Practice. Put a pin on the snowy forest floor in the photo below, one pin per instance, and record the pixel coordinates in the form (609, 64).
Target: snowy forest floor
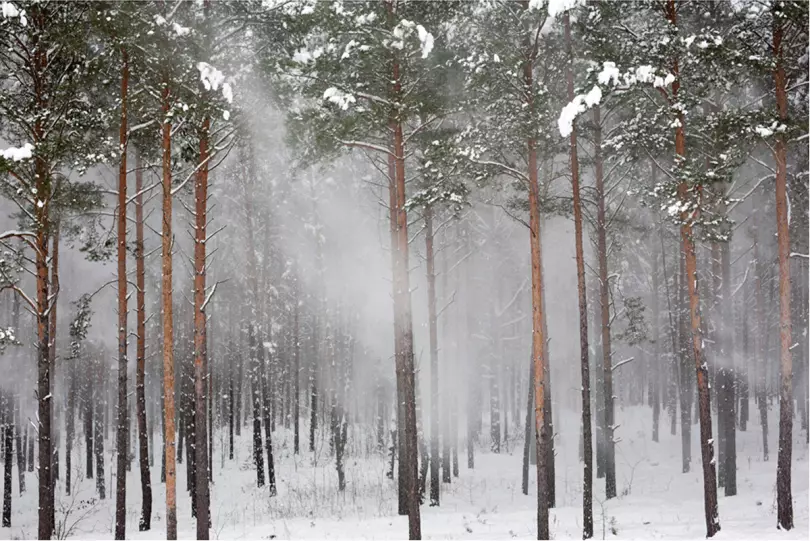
(655, 499)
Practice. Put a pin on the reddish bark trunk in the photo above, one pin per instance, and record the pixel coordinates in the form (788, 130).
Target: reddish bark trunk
(538, 334)
(784, 499)
(587, 444)
(168, 328)
(121, 434)
(706, 440)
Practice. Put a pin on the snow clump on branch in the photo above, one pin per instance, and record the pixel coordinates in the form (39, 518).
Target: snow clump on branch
(18, 154)
(212, 79)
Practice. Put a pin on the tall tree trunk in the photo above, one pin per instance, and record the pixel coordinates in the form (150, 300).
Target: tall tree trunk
(52, 347)
(761, 347)
(403, 326)
(18, 429)
(657, 360)
(684, 367)
(706, 440)
(89, 410)
(784, 498)
(529, 431)
(200, 349)
(604, 301)
(434, 359)
(449, 394)
(45, 524)
(267, 417)
(121, 434)
(726, 326)
(145, 521)
(168, 326)
(538, 331)
(98, 428)
(254, 342)
(587, 445)
(6, 420)
(296, 375)
(403, 302)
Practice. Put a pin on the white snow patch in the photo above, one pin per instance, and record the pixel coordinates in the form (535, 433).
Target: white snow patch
(338, 97)
(556, 7)
(18, 154)
(610, 73)
(426, 39)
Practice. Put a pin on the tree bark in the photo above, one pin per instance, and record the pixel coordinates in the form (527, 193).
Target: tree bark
(587, 445)
(706, 440)
(538, 334)
(121, 434)
(761, 347)
(254, 344)
(145, 521)
(434, 359)
(6, 419)
(98, 428)
(784, 498)
(296, 375)
(168, 327)
(200, 345)
(403, 303)
(604, 301)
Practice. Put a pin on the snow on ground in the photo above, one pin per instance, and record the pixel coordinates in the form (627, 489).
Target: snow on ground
(656, 500)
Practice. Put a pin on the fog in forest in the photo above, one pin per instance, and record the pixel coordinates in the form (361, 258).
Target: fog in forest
(440, 269)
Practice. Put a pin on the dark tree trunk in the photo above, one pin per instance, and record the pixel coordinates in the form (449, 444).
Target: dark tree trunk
(604, 301)
(587, 445)
(201, 450)
(98, 428)
(70, 426)
(434, 360)
(529, 432)
(21, 466)
(121, 434)
(145, 521)
(6, 418)
(761, 349)
(296, 373)
(684, 379)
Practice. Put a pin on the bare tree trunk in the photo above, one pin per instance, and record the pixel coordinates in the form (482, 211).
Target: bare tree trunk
(296, 375)
(761, 347)
(168, 326)
(538, 331)
(45, 525)
(784, 498)
(121, 434)
(98, 428)
(655, 380)
(604, 300)
(253, 340)
(403, 303)
(145, 521)
(706, 440)
(21, 466)
(200, 346)
(7, 422)
(434, 359)
(89, 410)
(527, 442)
(587, 445)
(726, 326)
